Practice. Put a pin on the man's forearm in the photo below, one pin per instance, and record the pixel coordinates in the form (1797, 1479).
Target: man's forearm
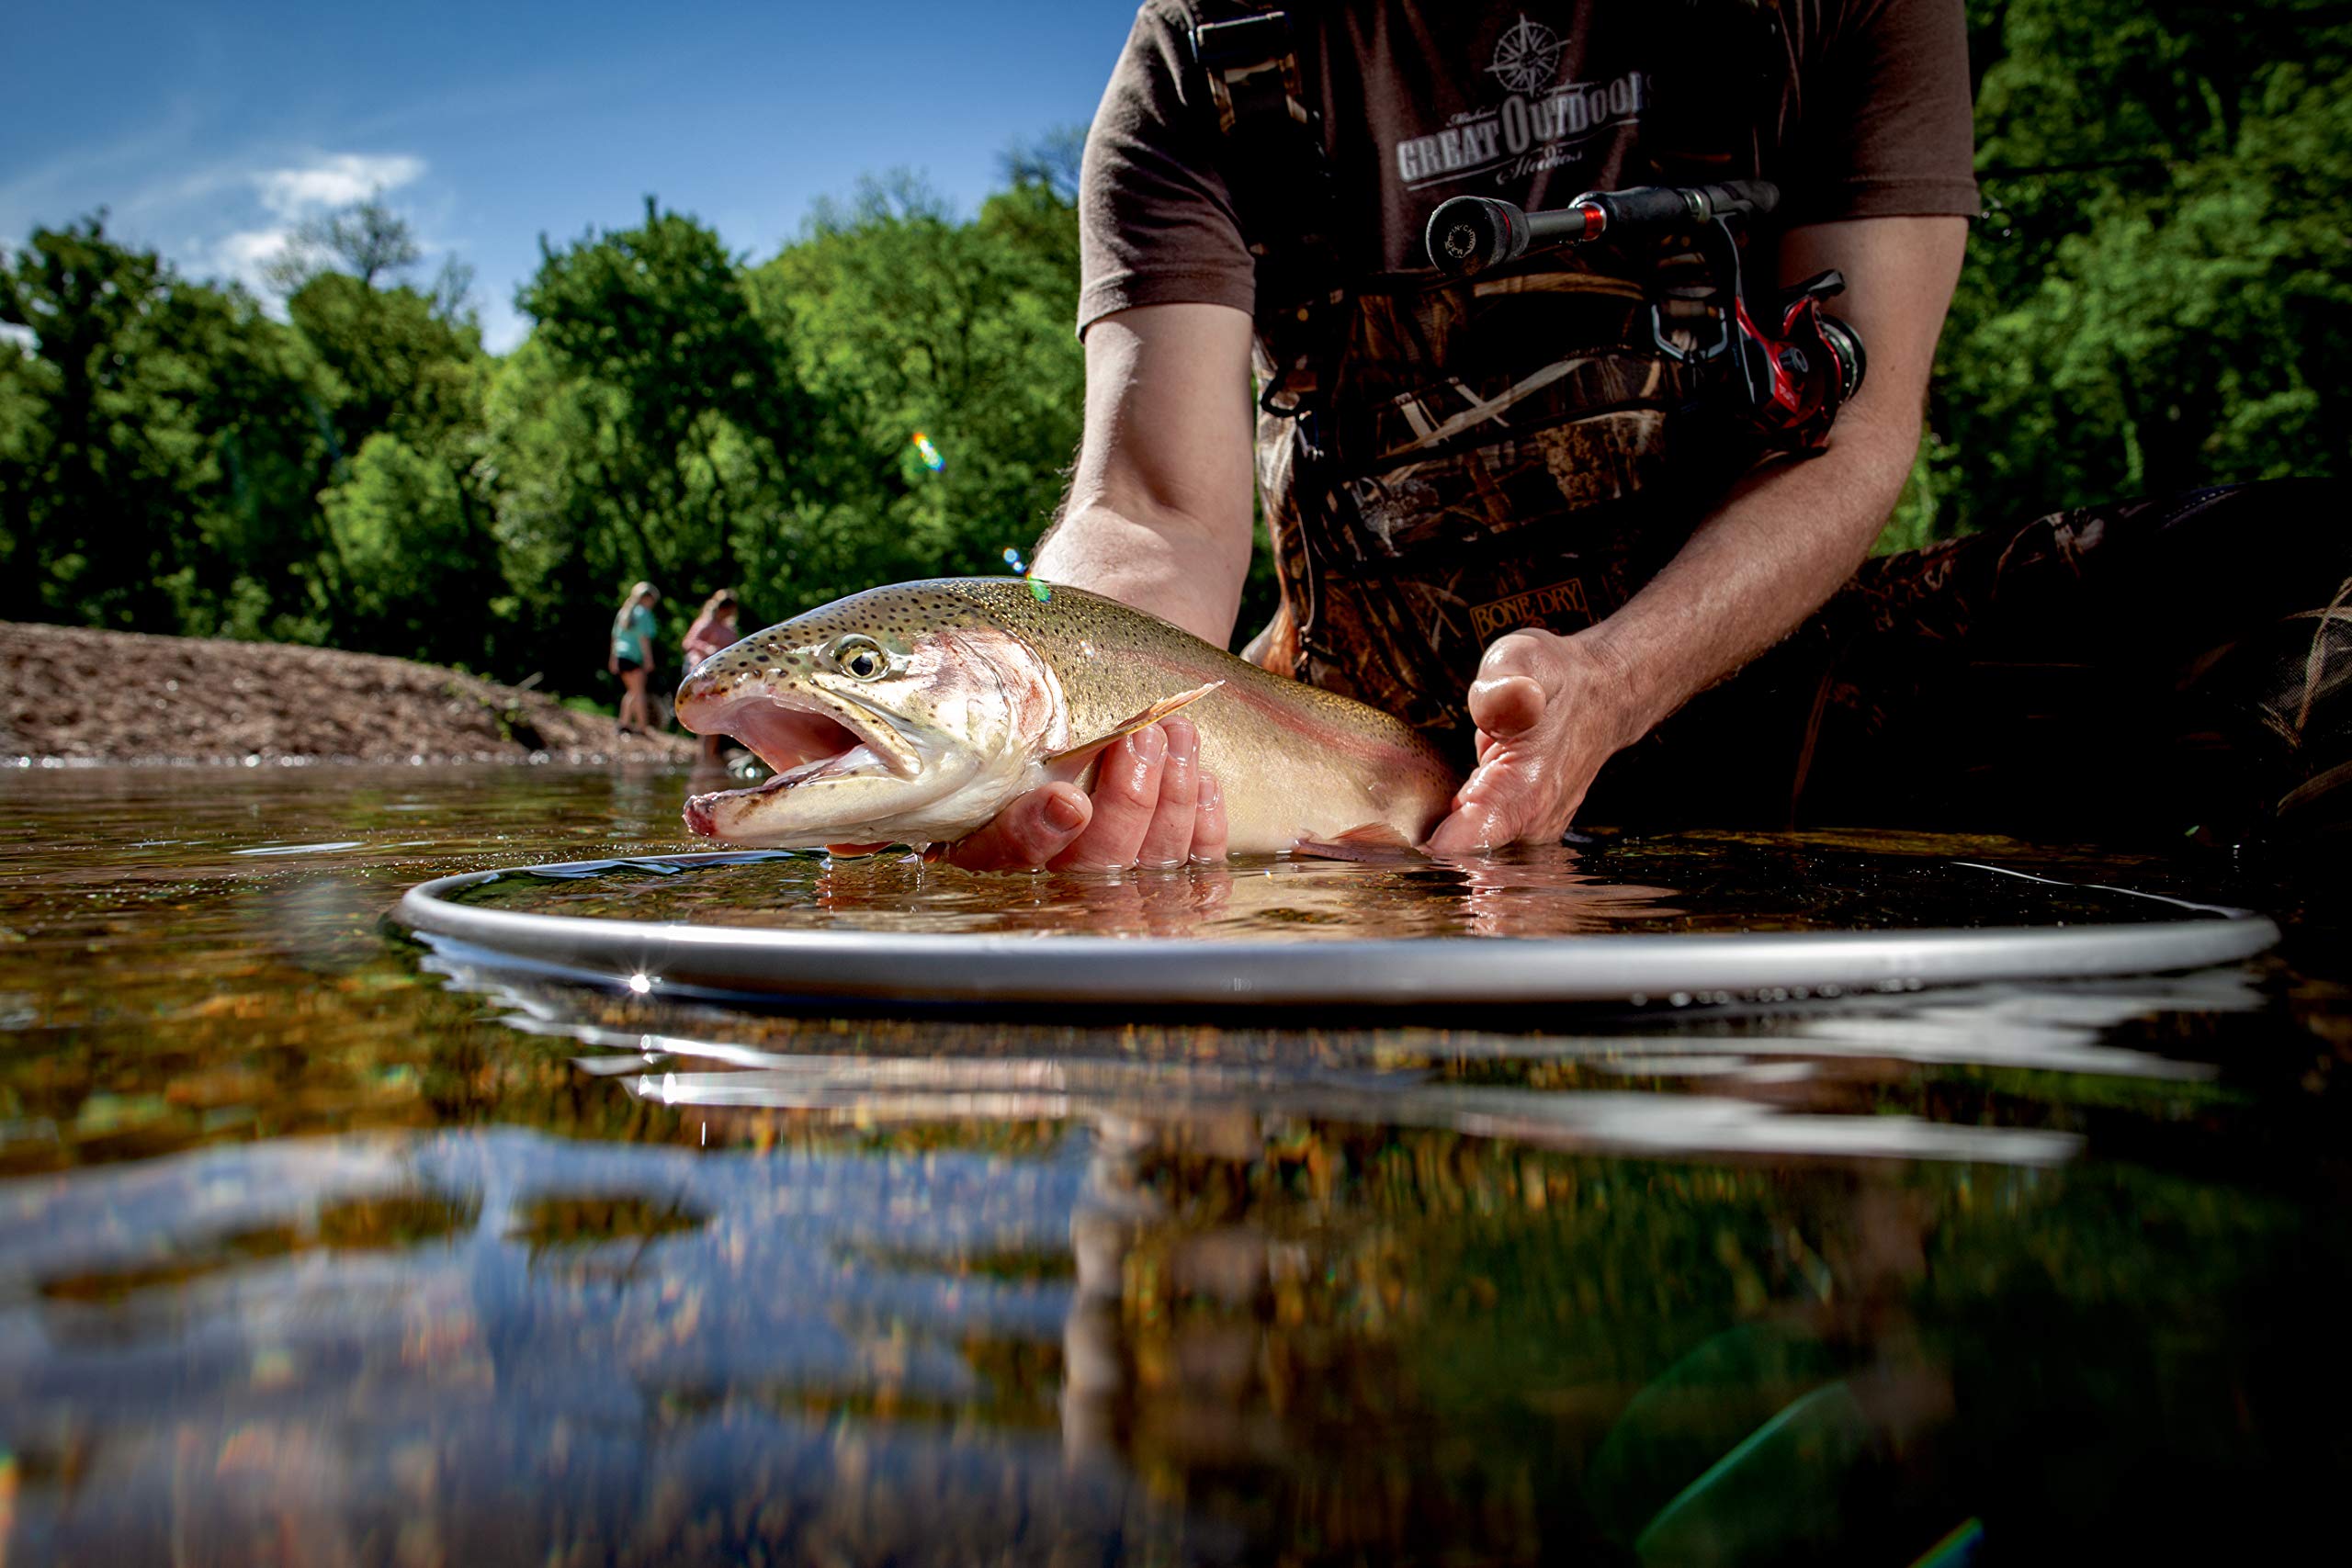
(1158, 509)
(1785, 540)
(1791, 533)
(1175, 569)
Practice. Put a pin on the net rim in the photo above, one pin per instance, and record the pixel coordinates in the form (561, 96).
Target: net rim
(871, 968)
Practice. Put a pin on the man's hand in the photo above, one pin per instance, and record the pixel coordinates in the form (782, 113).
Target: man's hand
(1151, 806)
(1550, 710)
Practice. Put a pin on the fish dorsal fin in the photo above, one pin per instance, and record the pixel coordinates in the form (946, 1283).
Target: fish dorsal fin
(1374, 843)
(1072, 762)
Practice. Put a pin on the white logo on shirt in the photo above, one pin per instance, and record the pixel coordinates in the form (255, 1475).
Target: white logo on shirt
(1542, 122)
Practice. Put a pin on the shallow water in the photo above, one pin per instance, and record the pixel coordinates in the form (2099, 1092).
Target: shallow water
(1719, 884)
(319, 1245)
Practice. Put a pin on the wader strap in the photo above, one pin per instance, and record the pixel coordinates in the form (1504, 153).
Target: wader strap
(1252, 70)
(1281, 183)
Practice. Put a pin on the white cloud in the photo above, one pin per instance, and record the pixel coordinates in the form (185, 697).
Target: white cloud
(23, 339)
(244, 254)
(251, 247)
(335, 179)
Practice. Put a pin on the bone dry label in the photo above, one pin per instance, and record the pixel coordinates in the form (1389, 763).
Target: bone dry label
(1535, 607)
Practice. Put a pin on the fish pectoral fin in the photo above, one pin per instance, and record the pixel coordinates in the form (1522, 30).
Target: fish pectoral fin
(1069, 764)
(1374, 843)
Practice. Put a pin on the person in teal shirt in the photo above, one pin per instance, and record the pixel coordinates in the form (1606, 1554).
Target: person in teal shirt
(633, 633)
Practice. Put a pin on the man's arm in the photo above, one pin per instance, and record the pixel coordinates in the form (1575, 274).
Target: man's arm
(1158, 509)
(1550, 710)
(1158, 517)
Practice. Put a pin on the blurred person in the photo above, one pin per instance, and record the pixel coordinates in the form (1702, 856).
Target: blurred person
(715, 627)
(634, 630)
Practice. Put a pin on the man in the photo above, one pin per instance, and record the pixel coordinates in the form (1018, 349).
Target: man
(1504, 508)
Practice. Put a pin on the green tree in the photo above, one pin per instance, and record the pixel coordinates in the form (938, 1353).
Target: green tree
(388, 361)
(2160, 295)
(158, 448)
(650, 428)
(366, 239)
(420, 572)
(906, 320)
(398, 377)
(563, 554)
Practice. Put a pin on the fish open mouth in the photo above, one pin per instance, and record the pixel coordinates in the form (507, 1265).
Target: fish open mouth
(801, 743)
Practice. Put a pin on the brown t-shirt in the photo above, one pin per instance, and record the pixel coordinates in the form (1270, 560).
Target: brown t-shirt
(1511, 449)
(1533, 103)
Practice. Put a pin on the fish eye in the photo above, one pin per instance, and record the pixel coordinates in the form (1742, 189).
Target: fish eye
(860, 657)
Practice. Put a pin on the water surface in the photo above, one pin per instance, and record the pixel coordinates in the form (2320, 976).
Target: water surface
(319, 1245)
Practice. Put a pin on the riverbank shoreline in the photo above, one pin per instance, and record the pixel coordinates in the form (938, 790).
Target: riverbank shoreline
(77, 696)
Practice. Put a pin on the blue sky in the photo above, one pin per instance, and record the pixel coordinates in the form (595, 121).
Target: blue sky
(207, 131)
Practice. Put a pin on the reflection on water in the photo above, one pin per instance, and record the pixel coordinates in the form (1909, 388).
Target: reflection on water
(318, 1247)
(1738, 885)
(1268, 900)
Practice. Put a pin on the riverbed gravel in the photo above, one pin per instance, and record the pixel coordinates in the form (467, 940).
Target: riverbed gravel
(73, 695)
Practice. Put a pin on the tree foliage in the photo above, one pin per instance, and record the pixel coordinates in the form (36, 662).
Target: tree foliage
(652, 427)
(2160, 294)
(173, 459)
(158, 445)
(367, 239)
(906, 320)
(695, 407)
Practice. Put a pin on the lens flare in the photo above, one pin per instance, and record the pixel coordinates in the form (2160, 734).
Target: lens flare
(930, 453)
(1037, 588)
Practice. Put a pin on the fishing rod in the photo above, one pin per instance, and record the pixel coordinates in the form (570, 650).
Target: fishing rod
(1471, 234)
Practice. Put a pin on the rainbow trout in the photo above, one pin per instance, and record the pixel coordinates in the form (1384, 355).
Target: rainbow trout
(914, 714)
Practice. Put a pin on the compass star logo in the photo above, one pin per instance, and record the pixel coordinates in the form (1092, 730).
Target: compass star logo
(1527, 57)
